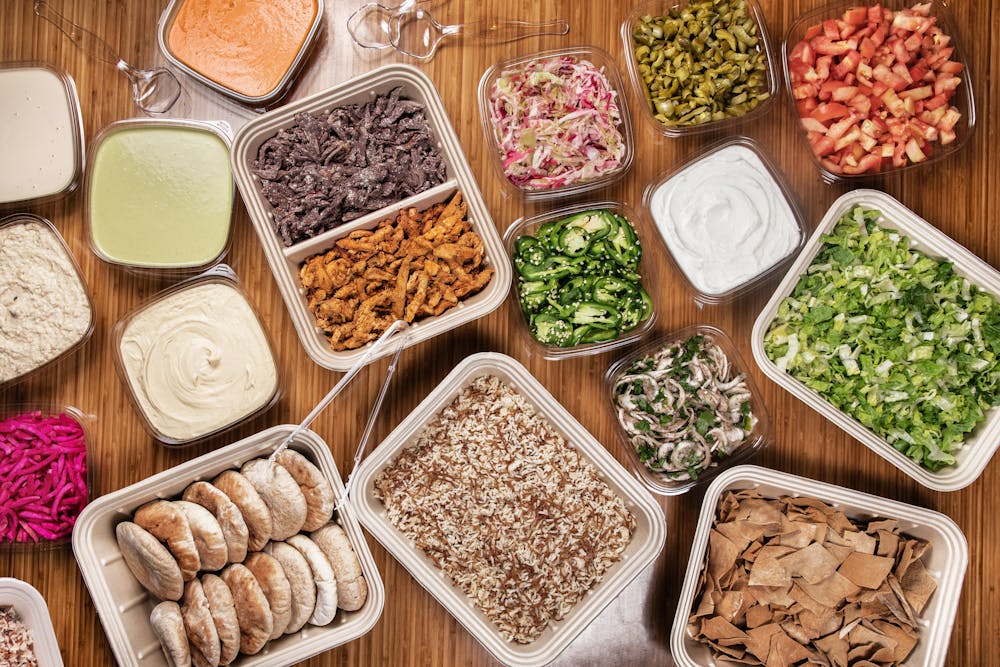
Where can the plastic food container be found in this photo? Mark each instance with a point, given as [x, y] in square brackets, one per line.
[600, 59]
[178, 342]
[946, 559]
[123, 605]
[70, 338]
[757, 439]
[984, 441]
[963, 99]
[42, 157]
[30, 606]
[285, 262]
[160, 195]
[309, 37]
[647, 541]
[529, 226]
[662, 8]
[754, 184]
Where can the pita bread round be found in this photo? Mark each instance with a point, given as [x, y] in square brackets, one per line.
[220, 603]
[149, 561]
[234, 528]
[323, 577]
[252, 612]
[281, 495]
[277, 590]
[315, 487]
[199, 625]
[168, 523]
[208, 538]
[300, 581]
[168, 626]
[255, 513]
[352, 589]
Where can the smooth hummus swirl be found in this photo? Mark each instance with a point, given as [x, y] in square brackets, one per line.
[197, 361]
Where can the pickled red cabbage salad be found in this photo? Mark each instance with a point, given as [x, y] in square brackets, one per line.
[556, 123]
[893, 338]
[43, 477]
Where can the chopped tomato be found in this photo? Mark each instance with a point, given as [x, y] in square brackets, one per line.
[856, 16]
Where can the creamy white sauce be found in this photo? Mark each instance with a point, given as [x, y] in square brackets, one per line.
[198, 360]
[38, 134]
[725, 220]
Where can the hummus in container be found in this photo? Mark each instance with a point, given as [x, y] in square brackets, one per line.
[196, 360]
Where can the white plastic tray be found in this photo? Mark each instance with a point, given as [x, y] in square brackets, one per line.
[946, 560]
[646, 544]
[124, 606]
[971, 460]
[286, 261]
[30, 606]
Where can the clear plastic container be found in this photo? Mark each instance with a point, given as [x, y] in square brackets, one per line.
[153, 402]
[286, 261]
[123, 605]
[29, 604]
[764, 178]
[266, 99]
[68, 347]
[756, 440]
[42, 157]
[983, 442]
[600, 59]
[529, 226]
[662, 8]
[125, 180]
[946, 560]
[646, 544]
[963, 100]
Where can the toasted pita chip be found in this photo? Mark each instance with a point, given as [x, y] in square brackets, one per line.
[866, 570]
[813, 563]
[918, 585]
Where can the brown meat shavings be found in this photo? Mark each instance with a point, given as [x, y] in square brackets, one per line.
[516, 517]
[793, 581]
[17, 647]
[418, 265]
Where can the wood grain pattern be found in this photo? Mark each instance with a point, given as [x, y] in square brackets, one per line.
[961, 196]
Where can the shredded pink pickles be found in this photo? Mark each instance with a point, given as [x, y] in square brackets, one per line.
[43, 477]
[557, 123]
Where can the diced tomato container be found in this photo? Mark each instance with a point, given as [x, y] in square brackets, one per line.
[963, 100]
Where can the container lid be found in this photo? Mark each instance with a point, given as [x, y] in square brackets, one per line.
[30, 606]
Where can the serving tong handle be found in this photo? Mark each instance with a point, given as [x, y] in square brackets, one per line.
[87, 41]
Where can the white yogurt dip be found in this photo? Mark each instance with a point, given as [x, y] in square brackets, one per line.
[38, 134]
[725, 220]
[198, 360]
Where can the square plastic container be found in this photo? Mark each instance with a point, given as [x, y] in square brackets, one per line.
[50, 278]
[946, 560]
[29, 604]
[963, 99]
[598, 58]
[646, 544]
[286, 261]
[187, 342]
[529, 226]
[639, 89]
[710, 193]
[266, 98]
[42, 156]
[123, 605]
[757, 439]
[979, 448]
[160, 195]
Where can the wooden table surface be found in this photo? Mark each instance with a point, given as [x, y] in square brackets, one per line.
[960, 196]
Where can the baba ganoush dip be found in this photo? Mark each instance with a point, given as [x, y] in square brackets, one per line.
[725, 219]
[197, 360]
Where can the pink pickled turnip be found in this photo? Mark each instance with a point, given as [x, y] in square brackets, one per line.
[43, 476]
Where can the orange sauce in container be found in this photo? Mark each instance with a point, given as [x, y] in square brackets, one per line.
[246, 46]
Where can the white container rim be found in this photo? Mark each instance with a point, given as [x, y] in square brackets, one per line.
[34, 612]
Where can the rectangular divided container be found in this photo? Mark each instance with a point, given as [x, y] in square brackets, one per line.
[124, 606]
[646, 544]
[286, 261]
[946, 560]
[983, 442]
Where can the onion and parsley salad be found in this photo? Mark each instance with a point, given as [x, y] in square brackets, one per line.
[578, 279]
[893, 338]
[684, 407]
